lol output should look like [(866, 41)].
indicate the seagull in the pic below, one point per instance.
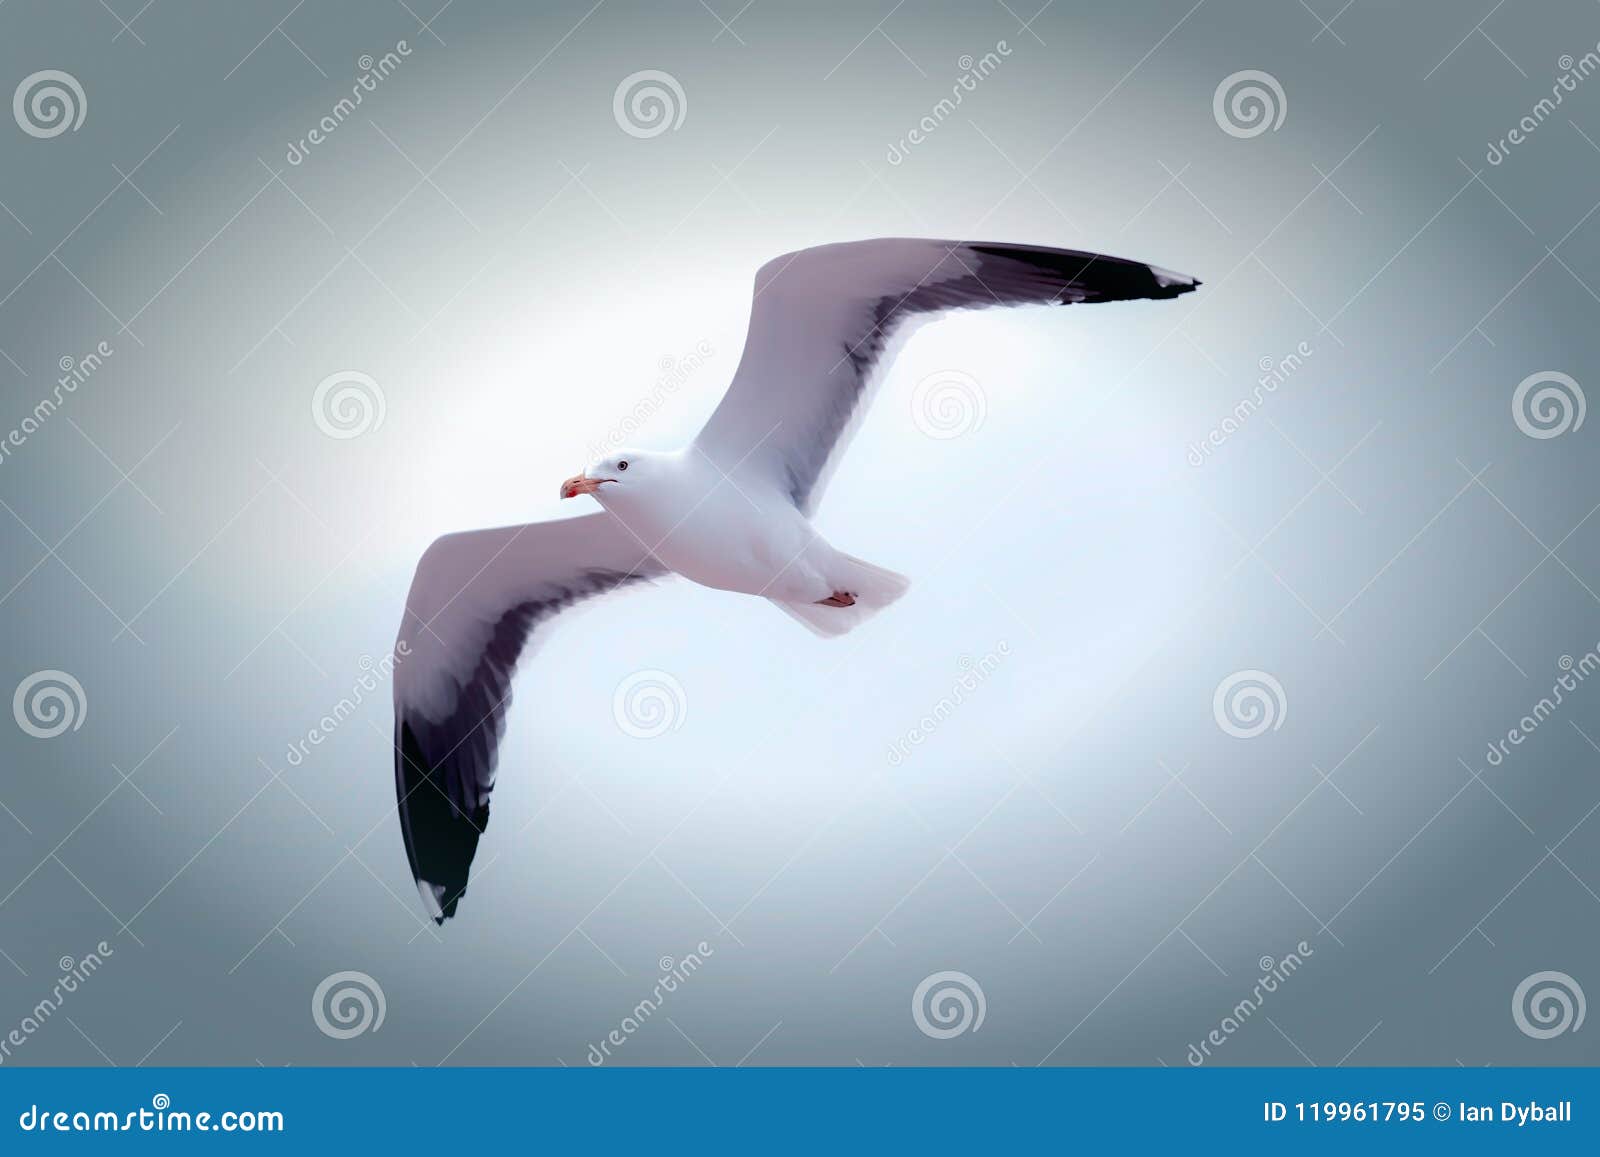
[(730, 511)]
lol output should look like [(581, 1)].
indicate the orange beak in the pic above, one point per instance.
[(580, 484)]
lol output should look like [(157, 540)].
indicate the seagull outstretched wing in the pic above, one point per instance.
[(476, 602), (826, 320)]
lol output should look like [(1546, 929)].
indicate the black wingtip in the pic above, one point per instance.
[(440, 837)]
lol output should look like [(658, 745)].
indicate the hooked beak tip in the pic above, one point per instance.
[(578, 484)]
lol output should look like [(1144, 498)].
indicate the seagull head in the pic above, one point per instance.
[(619, 470)]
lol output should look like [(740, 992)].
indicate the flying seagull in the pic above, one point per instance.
[(731, 510)]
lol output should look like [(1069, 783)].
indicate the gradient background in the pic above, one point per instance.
[(514, 270)]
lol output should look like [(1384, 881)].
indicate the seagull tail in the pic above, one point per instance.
[(873, 588)]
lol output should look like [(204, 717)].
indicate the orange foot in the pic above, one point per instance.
[(838, 599)]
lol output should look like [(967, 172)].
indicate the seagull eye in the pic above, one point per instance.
[(623, 465)]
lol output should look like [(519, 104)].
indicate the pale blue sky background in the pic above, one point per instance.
[(1081, 838)]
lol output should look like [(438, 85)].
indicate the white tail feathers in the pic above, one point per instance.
[(873, 587)]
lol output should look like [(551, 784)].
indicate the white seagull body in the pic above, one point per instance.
[(729, 511)]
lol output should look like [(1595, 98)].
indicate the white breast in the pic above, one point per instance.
[(735, 535)]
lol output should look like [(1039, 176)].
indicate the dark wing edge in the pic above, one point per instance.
[(895, 284), (445, 766)]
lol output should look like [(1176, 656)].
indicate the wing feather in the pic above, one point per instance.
[(476, 601), (825, 322)]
